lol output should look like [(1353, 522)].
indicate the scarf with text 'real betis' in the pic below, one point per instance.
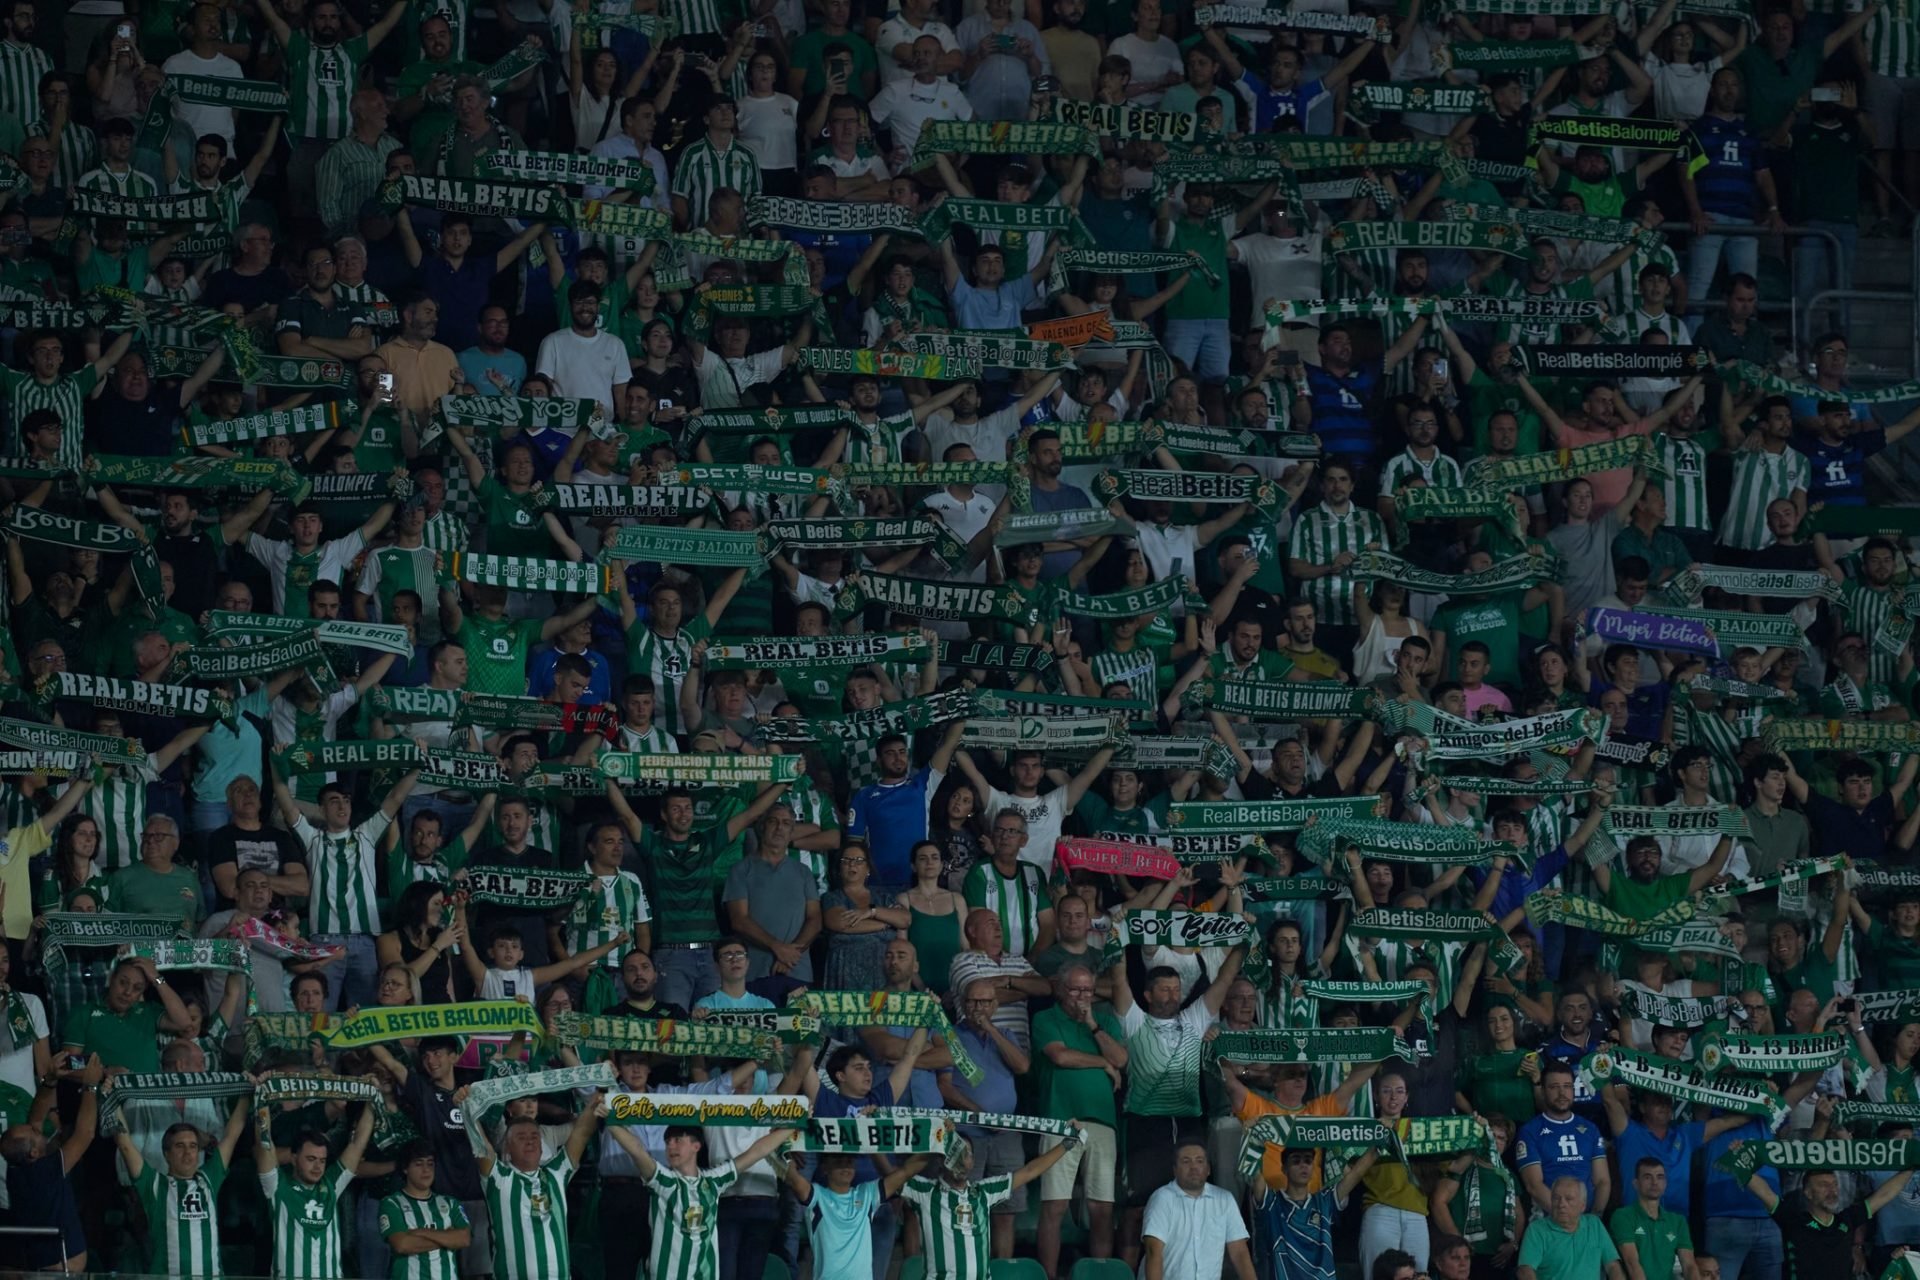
[(572, 168), (731, 654), (888, 1009), (701, 770), (1000, 138), (1255, 817), (1492, 237), (478, 1017), (935, 600)]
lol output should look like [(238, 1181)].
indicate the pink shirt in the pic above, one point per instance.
[(1608, 486), (1486, 696)]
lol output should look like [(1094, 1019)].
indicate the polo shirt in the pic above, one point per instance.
[(122, 1040), (1776, 840), (996, 308), (1812, 1249), (1858, 833), (1675, 1151), (1657, 1242), (1555, 1253), (461, 292)]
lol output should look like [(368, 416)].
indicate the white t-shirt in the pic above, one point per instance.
[(1162, 547), (507, 984), (204, 119), (1150, 63), (897, 31), (1283, 270), (1045, 815), (905, 105), (1680, 88), (769, 126), (336, 557), (585, 368), (722, 381), (16, 1066)]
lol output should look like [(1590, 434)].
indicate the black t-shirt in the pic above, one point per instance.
[(196, 569), (137, 428), (442, 1124), (1814, 1251), (266, 289), (268, 849), (39, 1195), (531, 924)]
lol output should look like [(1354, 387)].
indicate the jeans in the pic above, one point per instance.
[(886, 1229), (625, 1228), (351, 978), (1816, 267), (1748, 1248), (1383, 1227), (684, 974), (370, 1247), (748, 1227), (1204, 346), (1703, 259)]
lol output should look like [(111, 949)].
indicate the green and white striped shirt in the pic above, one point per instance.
[(320, 81), (131, 183), (306, 1223), (386, 319), (183, 1227), (666, 662), (76, 151), (698, 18), (346, 178), (66, 396), (444, 532), (1760, 478), (1721, 737), (956, 1222), (1439, 471), (1017, 900), (1318, 537), (340, 867), (21, 66), (1136, 668), (1621, 289), (529, 1212), (118, 807), (685, 1212), (1633, 325), (1685, 485), (703, 170), (402, 1212), (454, 11), (1868, 611), (1163, 1064), (612, 906), (1890, 40)]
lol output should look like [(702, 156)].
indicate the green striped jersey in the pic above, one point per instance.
[(703, 170), (497, 652), (444, 532), (1722, 737), (131, 183), (402, 1212), (320, 82), (1868, 611), (1438, 471), (455, 13), (387, 571), (655, 741), (1633, 325), (340, 871), (1318, 537), (683, 882), (1396, 957), (183, 1227), (75, 151), (685, 1212), (306, 1222), (21, 66), (611, 906), (529, 1213), (955, 1223), (1890, 40), (118, 807), (386, 319), (1685, 484), (1621, 289), (1136, 668), (1530, 331), (700, 17), (1163, 1060), (65, 395), (1017, 900), (666, 661), (1759, 478)]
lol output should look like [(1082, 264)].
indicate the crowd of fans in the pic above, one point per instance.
[(1383, 724)]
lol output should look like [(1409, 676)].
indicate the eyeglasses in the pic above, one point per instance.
[(853, 862), (732, 955)]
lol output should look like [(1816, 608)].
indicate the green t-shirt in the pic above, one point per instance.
[(1896, 958), (1580, 1254), (1074, 1093), (809, 54), (1141, 820), (435, 118), (497, 652), (683, 882), (1657, 1241), (1492, 1082), (1482, 1207), (1492, 620), (512, 530), (1814, 972), (143, 891), (1208, 238), (1638, 901), (122, 1040)]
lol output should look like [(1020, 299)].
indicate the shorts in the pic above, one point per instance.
[(996, 1152), (1097, 1155), (1151, 1142)]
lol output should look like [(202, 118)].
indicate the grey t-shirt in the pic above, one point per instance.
[(776, 895), (1587, 553)]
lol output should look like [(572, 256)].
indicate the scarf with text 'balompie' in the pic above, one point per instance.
[(112, 693), (1561, 465), (1510, 55), (382, 637), (1684, 1081), (749, 654), (167, 1086), (1611, 360), (1414, 924), (1687, 586), (1605, 131), (572, 168), (1450, 738), (230, 662), (1859, 737), (665, 544), (696, 769), (1000, 138), (63, 929), (478, 1017), (1433, 503), (1399, 842), (1252, 818), (987, 350), (1285, 701), (1648, 1005), (1122, 262)]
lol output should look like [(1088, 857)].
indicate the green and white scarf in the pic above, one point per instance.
[(997, 215), (65, 929), (1624, 821), (696, 769), (476, 198), (1856, 736), (827, 651), (218, 91), (888, 1009), (1888, 1006), (1451, 233), (991, 655), (45, 737), (349, 754), (1311, 1044), (1427, 97), (382, 637), (1566, 226), (218, 955), (909, 716), (554, 413), (981, 138), (665, 544), (1819, 1153), (847, 216), (573, 168), (475, 1017), (274, 422), (936, 600), (850, 532), (1512, 574), (1151, 599), (1122, 262), (1140, 928), (671, 1036), (1752, 377), (1413, 924), (1552, 906), (1782, 584), (168, 1086), (1050, 733), (1052, 526), (1852, 1115), (621, 501), (1450, 738), (324, 1086), (1605, 131), (989, 351), (1662, 1010), (1510, 55), (198, 207), (526, 573), (497, 1091), (1132, 123), (1562, 465), (878, 1133), (889, 364), (1796, 872), (250, 474), (222, 662), (1685, 1082), (1253, 818), (1430, 503), (1286, 701), (1417, 842), (1759, 1054), (534, 890)]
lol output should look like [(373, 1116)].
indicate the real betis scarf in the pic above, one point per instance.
[(264, 426), (197, 473), (1431, 503), (757, 478), (1758, 1054), (1139, 928), (1737, 630), (1627, 820), (981, 138), (1510, 55), (324, 1086), (1515, 573), (1152, 599), (526, 573), (1852, 1115), (1888, 1006), (1688, 585), (554, 413), (197, 207), (771, 421), (888, 1009), (1484, 237), (283, 1032), (1411, 1138), (1564, 226), (1561, 465), (223, 662), (329, 757), (1661, 1010), (845, 532), (380, 1025), (1115, 858), (45, 737), (994, 1120), (218, 91), (758, 301), (987, 350), (502, 711), (1857, 736), (1449, 738), (849, 216), (1743, 1161), (1689, 937), (670, 1036), (1297, 889), (1612, 360), (890, 364), (1121, 262), (476, 198), (991, 655), (496, 1091), (218, 955), (1400, 842), (1427, 97), (168, 1086), (1050, 733), (291, 373), (996, 215), (620, 501), (664, 544), (791, 1028), (1311, 1044), (694, 769), (1252, 818), (1410, 924), (826, 651), (909, 716), (1223, 443), (1132, 123), (67, 317), (1798, 871), (1605, 131), (62, 531), (1686, 1082), (65, 929), (878, 1133), (1286, 701), (936, 600), (569, 167), (1551, 906), (533, 890), (732, 1111), (1894, 879), (1752, 377), (383, 637)]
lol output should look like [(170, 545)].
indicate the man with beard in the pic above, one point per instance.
[(1816, 1234), (1643, 892), (638, 979), (960, 422), (316, 323), (423, 369), (1765, 470), (322, 72)]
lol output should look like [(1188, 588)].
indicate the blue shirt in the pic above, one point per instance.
[(461, 294), (923, 1086), (1562, 1148), (510, 364), (1725, 172), (1839, 828), (997, 308), (1515, 887), (1066, 498), (1343, 408), (996, 1090), (599, 684), (1646, 707), (1301, 1232), (1586, 1103), (1675, 1151), (1727, 1198), (837, 1224), (1270, 104), (841, 249), (830, 1104), (891, 818), (1838, 472)]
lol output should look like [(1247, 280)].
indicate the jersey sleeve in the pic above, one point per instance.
[(994, 1190)]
